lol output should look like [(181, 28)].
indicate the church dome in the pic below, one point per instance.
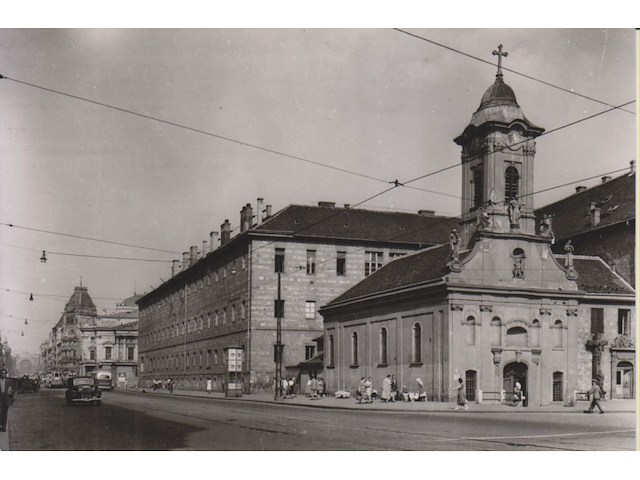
[(498, 94)]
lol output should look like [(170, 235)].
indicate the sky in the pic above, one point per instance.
[(377, 102)]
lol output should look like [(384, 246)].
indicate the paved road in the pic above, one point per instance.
[(136, 421)]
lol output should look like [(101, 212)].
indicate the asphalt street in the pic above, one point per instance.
[(138, 421)]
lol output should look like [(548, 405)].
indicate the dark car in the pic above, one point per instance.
[(83, 390)]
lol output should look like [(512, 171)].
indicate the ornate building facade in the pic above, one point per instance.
[(495, 305)]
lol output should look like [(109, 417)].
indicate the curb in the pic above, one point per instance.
[(354, 407)]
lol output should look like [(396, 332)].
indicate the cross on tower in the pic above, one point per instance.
[(500, 54)]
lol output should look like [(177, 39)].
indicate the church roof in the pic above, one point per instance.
[(420, 267), (358, 224), (80, 302), (571, 216)]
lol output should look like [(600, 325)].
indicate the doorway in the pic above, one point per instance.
[(512, 373), (624, 380)]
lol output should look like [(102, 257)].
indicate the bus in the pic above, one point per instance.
[(104, 379)]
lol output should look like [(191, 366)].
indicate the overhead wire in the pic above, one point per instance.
[(549, 84)]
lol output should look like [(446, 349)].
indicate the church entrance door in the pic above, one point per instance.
[(512, 373)]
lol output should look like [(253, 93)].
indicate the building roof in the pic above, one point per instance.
[(130, 301), (595, 276), (358, 224), (415, 268), (80, 301), (571, 216)]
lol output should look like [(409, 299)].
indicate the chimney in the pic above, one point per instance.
[(246, 217), (204, 248), (185, 260), (174, 267), (347, 205), (193, 255), (225, 232), (213, 241), (259, 208), (427, 213), (327, 204), (606, 178), (581, 188), (595, 215), (267, 211), (632, 167)]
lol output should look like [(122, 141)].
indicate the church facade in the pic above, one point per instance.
[(495, 305)]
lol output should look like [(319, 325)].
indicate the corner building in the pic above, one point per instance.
[(222, 295), (493, 306)]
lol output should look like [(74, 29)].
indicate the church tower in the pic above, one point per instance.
[(498, 149)]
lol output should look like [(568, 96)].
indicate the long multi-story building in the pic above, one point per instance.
[(223, 296)]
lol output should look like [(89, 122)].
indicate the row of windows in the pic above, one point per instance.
[(108, 353), (471, 385), (199, 359), (624, 321), (373, 261), (511, 185)]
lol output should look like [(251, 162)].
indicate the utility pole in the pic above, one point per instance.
[(279, 311)]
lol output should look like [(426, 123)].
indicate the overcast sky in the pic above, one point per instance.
[(373, 101)]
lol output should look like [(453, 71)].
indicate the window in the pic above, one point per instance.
[(416, 343), (624, 322), (330, 358), (393, 255), (130, 353), (243, 310), (470, 328), (311, 262), (209, 320), (233, 313), (224, 315), (215, 357), (477, 187), (216, 318), (511, 182), (496, 332), (471, 384), (224, 272), (341, 263), (535, 333), (279, 260), (92, 354), (557, 334), (201, 323), (309, 352), (107, 353), (383, 346), (557, 387), (597, 320), (209, 358), (372, 262), (354, 349), (516, 337), (310, 310)]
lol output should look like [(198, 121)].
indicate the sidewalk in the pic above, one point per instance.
[(613, 406)]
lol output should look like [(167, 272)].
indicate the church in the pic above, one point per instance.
[(495, 305)]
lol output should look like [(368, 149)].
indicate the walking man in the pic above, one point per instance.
[(596, 394), (6, 398)]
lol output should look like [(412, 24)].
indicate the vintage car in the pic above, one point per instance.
[(83, 390)]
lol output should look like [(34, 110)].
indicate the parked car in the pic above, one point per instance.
[(83, 390)]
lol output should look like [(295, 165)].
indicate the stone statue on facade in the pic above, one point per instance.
[(454, 243), (568, 258), (545, 227), (513, 208), (484, 223), (518, 267)]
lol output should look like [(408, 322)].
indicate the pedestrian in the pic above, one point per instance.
[(361, 392), (170, 382), (368, 388), (461, 398), (394, 388), (284, 386), (292, 383), (422, 393), (517, 394), (314, 387), (321, 386), (596, 395), (6, 398), (385, 396), (209, 385)]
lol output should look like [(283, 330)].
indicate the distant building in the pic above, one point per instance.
[(223, 295), (28, 365), (495, 305)]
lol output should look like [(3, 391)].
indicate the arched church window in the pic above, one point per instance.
[(511, 183), (330, 352), (383, 346), (557, 334), (470, 327), (516, 337), (416, 344), (557, 386), (354, 348), (477, 187), (496, 331), (535, 333), (471, 384)]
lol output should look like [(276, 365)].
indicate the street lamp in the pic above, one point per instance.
[(43, 258)]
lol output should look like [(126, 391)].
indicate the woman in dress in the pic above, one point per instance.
[(422, 393), (461, 397)]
